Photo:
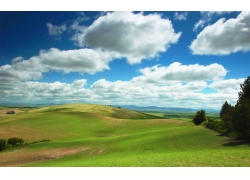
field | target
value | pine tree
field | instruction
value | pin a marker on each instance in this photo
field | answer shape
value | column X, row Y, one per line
column 245, row 90
column 226, row 115
column 241, row 114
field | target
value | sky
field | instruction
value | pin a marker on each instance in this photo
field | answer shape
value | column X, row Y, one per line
column 188, row 59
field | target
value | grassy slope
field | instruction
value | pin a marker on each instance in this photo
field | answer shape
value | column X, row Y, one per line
column 109, row 139
column 181, row 115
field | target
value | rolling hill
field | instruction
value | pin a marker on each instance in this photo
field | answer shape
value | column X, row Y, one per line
column 91, row 135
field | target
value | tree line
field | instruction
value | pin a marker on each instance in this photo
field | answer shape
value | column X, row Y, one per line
column 235, row 120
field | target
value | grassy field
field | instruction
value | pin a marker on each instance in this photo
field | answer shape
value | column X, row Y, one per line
column 95, row 136
column 180, row 115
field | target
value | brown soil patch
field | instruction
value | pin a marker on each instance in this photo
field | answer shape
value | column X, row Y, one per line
column 24, row 156
column 3, row 112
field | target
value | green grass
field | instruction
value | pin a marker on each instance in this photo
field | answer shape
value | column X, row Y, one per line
column 188, row 116
column 111, row 140
column 3, row 108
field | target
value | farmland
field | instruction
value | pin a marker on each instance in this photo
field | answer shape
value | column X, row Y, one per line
column 88, row 135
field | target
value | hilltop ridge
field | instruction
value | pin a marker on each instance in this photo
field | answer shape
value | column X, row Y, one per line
column 104, row 110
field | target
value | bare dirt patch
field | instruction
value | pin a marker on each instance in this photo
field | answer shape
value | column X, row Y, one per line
column 25, row 156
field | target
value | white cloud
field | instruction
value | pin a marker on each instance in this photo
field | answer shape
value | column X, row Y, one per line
column 176, row 72
column 199, row 24
column 79, row 60
column 79, row 82
column 181, row 16
column 172, row 95
column 224, row 37
column 17, row 59
column 8, row 72
column 76, row 24
column 228, row 85
column 56, row 30
column 207, row 16
column 176, row 85
column 174, row 91
column 38, row 92
column 133, row 36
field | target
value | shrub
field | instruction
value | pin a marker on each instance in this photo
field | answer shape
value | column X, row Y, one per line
column 214, row 125
column 15, row 141
column 10, row 112
column 2, row 144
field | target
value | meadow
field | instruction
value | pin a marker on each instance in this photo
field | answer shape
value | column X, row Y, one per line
column 180, row 115
column 88, row 135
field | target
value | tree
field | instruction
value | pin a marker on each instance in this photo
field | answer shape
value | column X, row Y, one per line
column 199, row 117
column 2, row 144
column 226, row 115
column 241, row 114
column 241, row 119
column 245, row 90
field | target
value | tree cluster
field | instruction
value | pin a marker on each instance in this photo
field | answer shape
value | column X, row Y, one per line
column 11, row 141
column 237, row 118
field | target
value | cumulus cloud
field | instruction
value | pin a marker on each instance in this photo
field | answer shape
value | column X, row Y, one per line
column 228, row 85
column 8, row 72
column 168, row 95
column 79, row 82
column 44, row 92
column 167, row 89
column 82, row 60
column 177, row 84
column 134, row 36
column 126, row 86
column 224, row 37
column 10, row 79
column 56, row 30
column 176, row 72
column 181, row 16
column 79, row 60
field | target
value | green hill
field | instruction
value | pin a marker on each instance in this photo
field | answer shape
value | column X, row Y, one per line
column 110, row 111
column 98, row 135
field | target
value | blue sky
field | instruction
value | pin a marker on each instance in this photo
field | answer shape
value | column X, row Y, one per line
column 186, row 59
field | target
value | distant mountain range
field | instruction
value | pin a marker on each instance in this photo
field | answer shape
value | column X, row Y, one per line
column 131, row 107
